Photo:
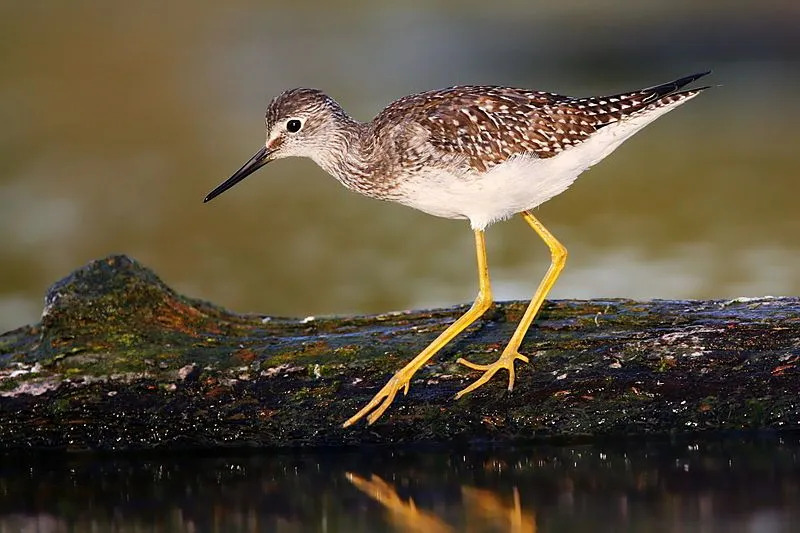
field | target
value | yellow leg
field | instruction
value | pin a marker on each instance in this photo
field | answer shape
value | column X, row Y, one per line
column 558, row 256
column 402, row 378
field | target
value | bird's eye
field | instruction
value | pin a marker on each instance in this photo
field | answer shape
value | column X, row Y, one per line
column 293, row 125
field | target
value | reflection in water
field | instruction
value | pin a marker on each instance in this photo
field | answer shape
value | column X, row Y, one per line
column 711, row 486
column 403, row 514
column 487, row 508
column 482, row 509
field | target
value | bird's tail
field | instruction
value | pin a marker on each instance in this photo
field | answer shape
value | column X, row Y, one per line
column 623, row 105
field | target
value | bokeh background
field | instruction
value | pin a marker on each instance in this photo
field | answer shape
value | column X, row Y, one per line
column 118, row 117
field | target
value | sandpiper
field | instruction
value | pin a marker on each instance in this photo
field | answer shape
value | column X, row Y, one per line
column 480, row 153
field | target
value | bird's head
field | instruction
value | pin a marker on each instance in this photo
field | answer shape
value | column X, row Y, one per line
column 300, row 123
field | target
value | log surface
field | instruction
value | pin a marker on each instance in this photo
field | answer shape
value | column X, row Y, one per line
column 121, row 361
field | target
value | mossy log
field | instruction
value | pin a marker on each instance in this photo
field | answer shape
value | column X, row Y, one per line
column 120, row 361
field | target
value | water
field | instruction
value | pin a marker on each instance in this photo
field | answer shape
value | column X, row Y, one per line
column 118, row 120
column 726, row 486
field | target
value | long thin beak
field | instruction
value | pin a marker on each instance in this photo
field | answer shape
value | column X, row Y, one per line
column 260, row 159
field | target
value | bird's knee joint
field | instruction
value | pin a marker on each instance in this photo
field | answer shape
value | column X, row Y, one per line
column 483, row 301
column 559, row 254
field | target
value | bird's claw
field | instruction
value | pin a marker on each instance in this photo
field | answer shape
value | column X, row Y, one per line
column 506, row 361
column 382, row 400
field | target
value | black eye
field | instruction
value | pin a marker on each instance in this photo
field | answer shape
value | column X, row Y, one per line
column 293, row 126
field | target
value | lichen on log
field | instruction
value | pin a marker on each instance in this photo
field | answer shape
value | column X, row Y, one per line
column 121, row 361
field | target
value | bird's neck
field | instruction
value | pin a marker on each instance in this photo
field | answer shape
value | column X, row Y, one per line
column 351, row 155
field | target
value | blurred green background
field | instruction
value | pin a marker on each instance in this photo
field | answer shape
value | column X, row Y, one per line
column 117, row 119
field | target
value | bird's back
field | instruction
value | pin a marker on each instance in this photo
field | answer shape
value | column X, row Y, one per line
column 488, row 124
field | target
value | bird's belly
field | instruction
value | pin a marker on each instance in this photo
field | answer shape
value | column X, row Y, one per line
column 519, row 184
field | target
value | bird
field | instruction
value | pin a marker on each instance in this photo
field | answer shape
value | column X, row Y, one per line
column 473, row 152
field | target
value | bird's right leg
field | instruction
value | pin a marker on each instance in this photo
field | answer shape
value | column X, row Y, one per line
column 402, row 379
column 558, row 256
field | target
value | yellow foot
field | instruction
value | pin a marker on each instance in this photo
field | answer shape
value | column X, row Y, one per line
column 384, row 398
column 506, row 361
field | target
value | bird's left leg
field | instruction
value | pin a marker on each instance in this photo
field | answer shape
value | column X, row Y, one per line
column 402, row 378
column 558, row 256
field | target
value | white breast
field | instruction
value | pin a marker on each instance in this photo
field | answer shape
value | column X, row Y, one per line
column 522, row 182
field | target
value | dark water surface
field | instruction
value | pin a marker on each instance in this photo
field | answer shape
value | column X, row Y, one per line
column 700, row 486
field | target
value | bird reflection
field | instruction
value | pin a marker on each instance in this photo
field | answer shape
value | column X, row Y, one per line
column 486, row 505
column 480, row 506
column 404, row 514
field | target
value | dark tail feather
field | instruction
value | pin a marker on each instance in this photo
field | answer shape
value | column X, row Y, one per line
column 610, row 109
column 650, row 94
column 668, row 88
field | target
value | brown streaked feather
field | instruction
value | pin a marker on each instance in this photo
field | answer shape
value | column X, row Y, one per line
column 487, row 124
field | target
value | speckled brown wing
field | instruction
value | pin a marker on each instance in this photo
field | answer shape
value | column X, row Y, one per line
column 487, row 125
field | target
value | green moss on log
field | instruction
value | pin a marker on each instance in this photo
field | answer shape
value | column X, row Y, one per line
column 121, row 361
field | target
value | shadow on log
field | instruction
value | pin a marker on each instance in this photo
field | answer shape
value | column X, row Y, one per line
column 120, row 361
